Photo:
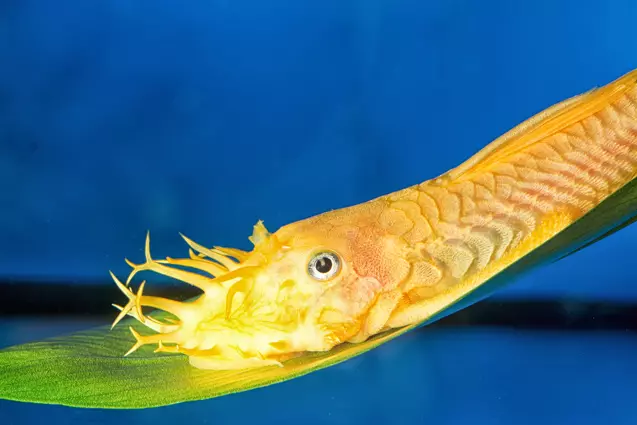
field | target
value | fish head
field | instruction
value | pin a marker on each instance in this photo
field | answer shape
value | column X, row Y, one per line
column 307, row 287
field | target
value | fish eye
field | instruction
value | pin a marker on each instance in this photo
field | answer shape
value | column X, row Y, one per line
column 324, row 265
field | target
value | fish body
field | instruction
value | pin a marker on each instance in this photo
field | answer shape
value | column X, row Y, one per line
column 395, row 261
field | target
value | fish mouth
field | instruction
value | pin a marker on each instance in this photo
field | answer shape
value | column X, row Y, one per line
column 242, row 319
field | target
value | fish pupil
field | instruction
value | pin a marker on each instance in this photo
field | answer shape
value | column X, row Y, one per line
column 324, row 265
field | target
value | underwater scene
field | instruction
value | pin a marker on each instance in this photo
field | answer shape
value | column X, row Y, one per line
column 318, row 212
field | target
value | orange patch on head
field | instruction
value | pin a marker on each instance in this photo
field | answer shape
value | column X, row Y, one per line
column 377, row 255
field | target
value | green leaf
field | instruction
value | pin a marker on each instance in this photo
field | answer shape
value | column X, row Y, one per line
column 86, row 369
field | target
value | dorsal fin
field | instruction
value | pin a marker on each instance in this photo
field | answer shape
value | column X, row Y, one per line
column 543, row 125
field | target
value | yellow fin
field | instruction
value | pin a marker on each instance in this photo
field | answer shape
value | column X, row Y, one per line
column 543, row 125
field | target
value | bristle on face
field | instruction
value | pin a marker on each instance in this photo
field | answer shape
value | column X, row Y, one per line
column 199, row 324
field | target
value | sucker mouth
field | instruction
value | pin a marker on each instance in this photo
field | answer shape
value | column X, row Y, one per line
column 232, row 324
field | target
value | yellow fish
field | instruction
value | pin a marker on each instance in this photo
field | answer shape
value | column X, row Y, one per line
column 394, row 261
column 327, row 288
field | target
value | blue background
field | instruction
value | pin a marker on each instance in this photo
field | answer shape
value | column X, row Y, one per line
column 203, row 116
